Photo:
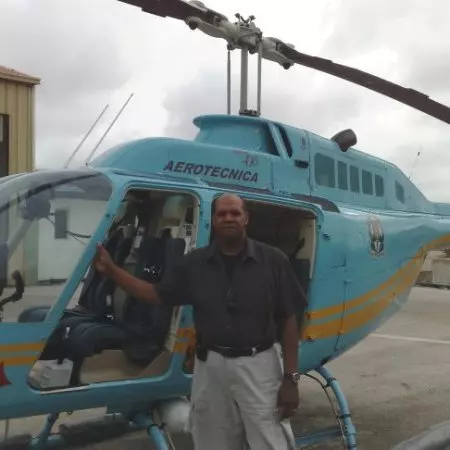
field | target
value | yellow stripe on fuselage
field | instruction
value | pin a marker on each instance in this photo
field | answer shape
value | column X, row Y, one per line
column 406, row 270
column 12, row 354
column 23, row 347
column 350, row 321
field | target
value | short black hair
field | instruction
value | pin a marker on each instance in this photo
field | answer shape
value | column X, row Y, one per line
column 213, row 205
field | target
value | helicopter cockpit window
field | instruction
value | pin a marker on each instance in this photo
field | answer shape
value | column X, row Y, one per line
column 49, row 216
column 325, row 171
column 354, row 179
column 399, row 192
column 367, row 183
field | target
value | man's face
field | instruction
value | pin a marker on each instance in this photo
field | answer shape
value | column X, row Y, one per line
column 230, row 218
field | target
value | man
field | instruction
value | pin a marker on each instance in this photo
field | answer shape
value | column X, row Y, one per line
column 244, row 295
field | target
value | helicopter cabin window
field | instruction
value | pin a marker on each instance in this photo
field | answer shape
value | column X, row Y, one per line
column 379, row 186
column 354, row 179
column 325, row 171
column 342, row 175
column 367, row 183
column 399, row 192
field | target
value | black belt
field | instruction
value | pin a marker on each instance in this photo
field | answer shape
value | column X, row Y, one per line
column 236, row 352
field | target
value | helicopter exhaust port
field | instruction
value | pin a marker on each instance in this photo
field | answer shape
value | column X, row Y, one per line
column 345, row 139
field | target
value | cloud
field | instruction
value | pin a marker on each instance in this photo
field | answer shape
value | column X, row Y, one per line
column 87, row 54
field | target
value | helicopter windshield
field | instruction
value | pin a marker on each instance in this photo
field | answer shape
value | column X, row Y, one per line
column 46, row 219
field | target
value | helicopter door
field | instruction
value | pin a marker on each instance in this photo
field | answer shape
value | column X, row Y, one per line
column 326, row 303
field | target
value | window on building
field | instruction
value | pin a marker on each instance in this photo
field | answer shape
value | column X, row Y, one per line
column 367, row 182
column 61, row 224
column 354, row 179
column 325, row 171
column 342, row 175
column 379, row 186
column 399, row 192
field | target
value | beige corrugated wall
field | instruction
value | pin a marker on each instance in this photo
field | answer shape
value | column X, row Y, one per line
column 17, row 101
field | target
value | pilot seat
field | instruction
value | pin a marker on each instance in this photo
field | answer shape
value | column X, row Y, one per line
column 106, row 318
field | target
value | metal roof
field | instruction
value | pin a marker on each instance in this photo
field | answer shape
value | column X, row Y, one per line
column 13, row 75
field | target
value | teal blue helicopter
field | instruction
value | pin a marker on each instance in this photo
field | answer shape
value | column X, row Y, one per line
column 356, row 230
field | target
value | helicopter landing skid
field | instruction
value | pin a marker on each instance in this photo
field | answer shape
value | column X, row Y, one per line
column 345, row 427
column 116, row 424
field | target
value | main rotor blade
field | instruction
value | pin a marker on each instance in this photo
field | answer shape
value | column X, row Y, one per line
column 176, row 9
column 411, row 97
column 181, row 10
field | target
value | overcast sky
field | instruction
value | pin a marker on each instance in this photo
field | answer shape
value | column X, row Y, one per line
column 92, row 53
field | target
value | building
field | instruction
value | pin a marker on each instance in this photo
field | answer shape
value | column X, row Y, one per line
column 17, row 115
column 17, row 136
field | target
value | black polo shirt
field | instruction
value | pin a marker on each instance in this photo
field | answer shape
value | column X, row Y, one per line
column 241, row 311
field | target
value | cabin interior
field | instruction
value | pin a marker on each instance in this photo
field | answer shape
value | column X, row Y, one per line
column 146, row 219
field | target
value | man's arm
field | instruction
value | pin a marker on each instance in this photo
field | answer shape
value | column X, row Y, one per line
column 290, row 345
column 133, row 286
column 173, row 288
column 291, row 304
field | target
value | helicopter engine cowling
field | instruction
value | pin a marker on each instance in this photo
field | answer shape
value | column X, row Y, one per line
column 174, row 414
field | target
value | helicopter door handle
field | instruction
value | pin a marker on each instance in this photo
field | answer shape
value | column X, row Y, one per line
column 301, row 164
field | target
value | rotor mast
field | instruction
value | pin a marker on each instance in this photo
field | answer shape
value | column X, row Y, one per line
column 248, row 38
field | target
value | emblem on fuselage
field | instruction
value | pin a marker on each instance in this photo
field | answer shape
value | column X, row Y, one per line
column 376, row 235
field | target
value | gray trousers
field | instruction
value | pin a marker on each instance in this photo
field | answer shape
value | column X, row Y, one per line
column 234, row 402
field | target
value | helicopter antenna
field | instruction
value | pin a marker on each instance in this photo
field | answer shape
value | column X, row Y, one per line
column 69, row 160
column 414, row 162
column 246, row 36
column 228, row 81
column 88, row 159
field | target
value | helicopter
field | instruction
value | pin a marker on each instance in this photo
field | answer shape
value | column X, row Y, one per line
column 339, row 214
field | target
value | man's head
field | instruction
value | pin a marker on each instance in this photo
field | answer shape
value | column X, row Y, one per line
column 230, row 218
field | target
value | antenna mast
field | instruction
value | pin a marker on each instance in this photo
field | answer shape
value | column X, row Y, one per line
column 88, row 159
column 69, row 160
column 414, row 162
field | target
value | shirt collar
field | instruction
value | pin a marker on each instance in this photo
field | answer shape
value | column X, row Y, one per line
column 248, row 252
